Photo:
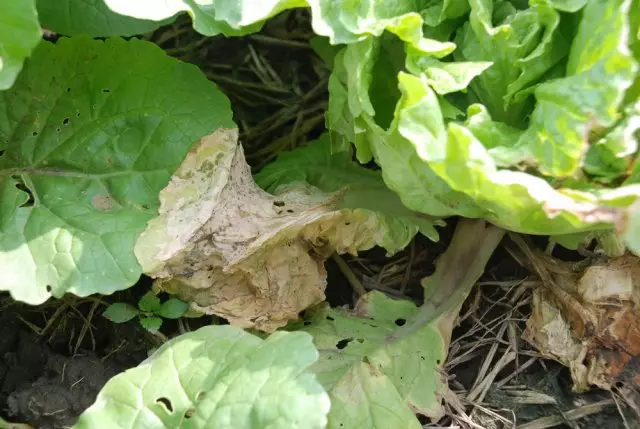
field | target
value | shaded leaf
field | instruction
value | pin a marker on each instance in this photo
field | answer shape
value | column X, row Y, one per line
column 523, row 46
column 92, row 17
column 120, row 312
column 149, row 302
column 151, row 323
column 173, row 308
column 599, row 71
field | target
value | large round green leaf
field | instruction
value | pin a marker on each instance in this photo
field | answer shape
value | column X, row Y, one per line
column 92, row 17
column 91, row 132
column 19, row 34
column 216, row 377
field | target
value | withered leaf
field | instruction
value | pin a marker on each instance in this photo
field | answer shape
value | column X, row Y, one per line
column 236, row 251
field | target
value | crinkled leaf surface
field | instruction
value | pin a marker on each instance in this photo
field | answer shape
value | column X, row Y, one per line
column 92, row 131
column 610, row 157
column 19, row 35
column 522, row 47
column 374, row 384
column 600, row 68
column 92, row 17
column 514, row 200
column 254, row 258
column 216, row 377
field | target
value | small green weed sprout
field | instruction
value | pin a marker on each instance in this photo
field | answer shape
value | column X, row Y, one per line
column 150, row 311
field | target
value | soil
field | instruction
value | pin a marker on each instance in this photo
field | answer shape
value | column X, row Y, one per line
column 46, row 386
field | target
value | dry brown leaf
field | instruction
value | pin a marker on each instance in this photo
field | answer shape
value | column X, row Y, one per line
column 591, row 322
column 238, row 252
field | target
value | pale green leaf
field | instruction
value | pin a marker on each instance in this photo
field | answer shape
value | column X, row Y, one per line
column 216, row 377
column 372, row 383
column 92, row 17
column 514, row 200
column 502, row 141
column 19, row 35
column 173, row 308
column 120, row 312
column 151, row 323
column 93, row 131
column 149, row 302
column 444, row 77
column 362, row 91
column 599, row 71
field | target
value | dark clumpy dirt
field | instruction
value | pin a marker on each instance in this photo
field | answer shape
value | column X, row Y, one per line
column 44, row 385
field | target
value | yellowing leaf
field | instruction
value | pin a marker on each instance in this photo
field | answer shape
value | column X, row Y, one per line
column 374, row 383
column 236, row 251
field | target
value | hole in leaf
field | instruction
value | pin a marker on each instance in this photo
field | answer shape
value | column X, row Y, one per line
column 78, row 114
column 347, row 223
column 190, row 412
column 306, row 323
column 58, row 130
column 360, row 340
column 35, row 133
column 30, row 200
column 65, row 121
column 289, row 211
column 166, row 402
column 48, row 288
column 400, row 322
column 330, row 318
column 343, row 343
column 278, row 203
column 106, row 90
column 68, row 89
column 199, row 396
column 438, row 362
